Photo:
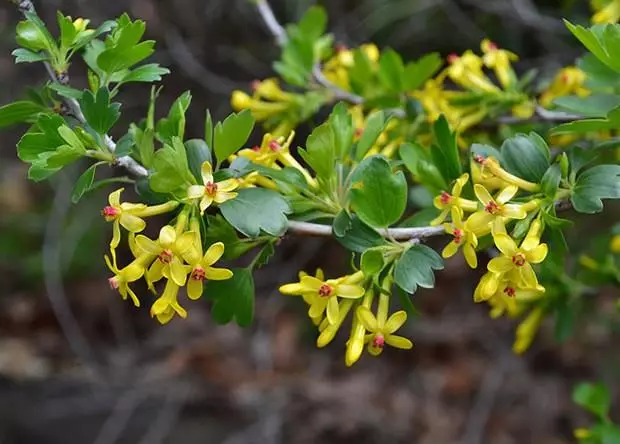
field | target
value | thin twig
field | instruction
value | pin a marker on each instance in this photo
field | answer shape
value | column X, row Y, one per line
column 310, row 229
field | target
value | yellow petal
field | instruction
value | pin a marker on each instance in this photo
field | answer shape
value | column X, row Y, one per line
column 221, row 196
column 528, row 276
column 116, row 235
column 395, row 321
column 147, row 245
column 349, row 291
column 450, row 250
column 367, row 319
column 194, row 289
column 114, row 199
column 505, row 244
column 186, row 242
column 207, row 172
column 506, row 194
column 132, row 223
column 178, row 272
column 218, row 274
column 167, row 236
column 399, row 342
column 213, row 254
column 292, row 289
column 205, row 203
column 311, row 284
column 460, row 183
column 133, row 296
column 227, row 185
column 442, row 216
column 332, row 310
column 159, row 306
column 482, row 194
column 166, row 316
column 470, row 256
column 317, row 307
column 319, row 274
column 195, row 191
column 479, row 222
column 132, row 272
column 514, row 211
column 537, row 255
column 155, row 272
column 500, row 265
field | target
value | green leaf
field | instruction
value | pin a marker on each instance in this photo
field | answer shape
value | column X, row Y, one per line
column 418, row 161
column 198, row 152
column 446, row 153
column 232, row 134
column 415, row 268
column 33, row 34
column 23, row 55
column 595, row 105
column 42, row 138
column 123, row 48
column 218, row 230
column 596, row 40
column 593, row 185
column 288, row 175
column 233, row 299
column 174, row 124
column 313, row 23
column 422, row 218
column 341, row 123
column 84, row 183
column 589, row 125
column 255, row 210
column 418, row 72
column 406, row 303
column 391, row 70
column 144, row 143
column 66, row 91
column 378, row 195
column 209, row 129
column 372, row 261
column 320, row 151
column 171, row 168
column 375, row 124
column 551, row 180
column 526, row 156
column 593, row 397
column 100, row 114
column 19, row 112
column 355, row 235
column 148, row 73
column 264, row 256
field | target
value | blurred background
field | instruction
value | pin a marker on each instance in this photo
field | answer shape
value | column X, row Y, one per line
column 79, row 365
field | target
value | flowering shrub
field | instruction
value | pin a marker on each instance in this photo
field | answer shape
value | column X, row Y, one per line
column 458, row 148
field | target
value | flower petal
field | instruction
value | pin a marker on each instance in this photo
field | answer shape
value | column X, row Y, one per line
column 506, row 194
column 500, row 265
column 442, row 216
column 295, row 289
column 186, row 242
column 213, row 254
column 207, row 172
column 132, row 223
column 505, row 244
column 195, row 191
column 114, row 199
column 221, row 196
column 332, row 310
column 218, row 274
column 116, row 235
column 395, row 321
column 399, row 342
column 178, row 272
column 147, row 245
column 479, row 223
column 528, row 276
column 227, row 185
column 349, row 291
column 311, row 284
column 205, row 203
column 483, row 194
column 194, row 289
column 537, row 255
column 155, row 273
column 450, row 250
column 132, row 272
column 513, row 211
column 459, row 184
column 167, row 236
column 367, row 319
column 317, row 307
column 470, row 256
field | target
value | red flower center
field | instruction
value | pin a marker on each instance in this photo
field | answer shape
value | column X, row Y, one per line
column 358, row 132
column 166, row 256
column 564, row 78
column 452, row 58
column 493, row 46
column 198, row 274
column 211, row 188
column 378, row 341
column 109, row 212
column 255, row 85
column 274, row 146
column 325, row 290
column 519, row 260
column 445, row 198
column 458, row 236
column 492, row 208
column 113, row 281
column 510, row 292
column 479, row 159
column 256, row 148
column 341, row 47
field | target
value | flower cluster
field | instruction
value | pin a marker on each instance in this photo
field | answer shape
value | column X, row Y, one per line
column 511, row 280
column 176, row 256
column 330, row 301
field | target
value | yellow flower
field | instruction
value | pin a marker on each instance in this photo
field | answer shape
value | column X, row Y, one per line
column 123, row 277
column 81, row 25
column 169, row 250
column 202, row 267
column 462, row 237
column 382, row 331
column 323, row 295
column 446, row 201
column 508, row 295
column 500, row 61
column 466, row 71
column 270, row 89
column 125, row 214
column 610, row 13
column 211, row 191
column 615, row 244
column 480, row 222
column 569, row 80
column 516, row 261
column 166, row 306
column 527, row 330
column 260, row 109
